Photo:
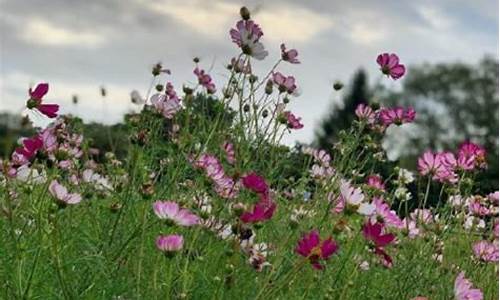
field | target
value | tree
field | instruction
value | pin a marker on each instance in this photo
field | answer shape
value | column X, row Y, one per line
column 341, row 116
column 454, row 102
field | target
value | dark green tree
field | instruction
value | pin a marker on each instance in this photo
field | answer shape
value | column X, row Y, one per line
column 341, row 115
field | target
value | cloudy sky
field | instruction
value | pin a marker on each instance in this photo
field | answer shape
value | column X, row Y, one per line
column 78, row 46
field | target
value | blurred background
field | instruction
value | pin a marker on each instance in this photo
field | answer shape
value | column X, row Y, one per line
column 95, row 52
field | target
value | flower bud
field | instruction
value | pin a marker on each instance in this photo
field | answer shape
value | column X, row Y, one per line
column 196, row 60
column 265, row 113
column 244, row 13
column 338, row 85
column 269, row 87
column 159, row 87
column 253, row 78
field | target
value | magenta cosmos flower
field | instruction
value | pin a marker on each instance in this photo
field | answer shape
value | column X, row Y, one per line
column 169, row 243
column 170, row 211
column 470, row 150
column 390, row 66
column 246, row 35
column 262, row 211
column 255, row 183
column 396, row 115
column 35, row 101
column 62, row 195
column 464, row 290
column 311, row 247
column 30, row 147
column 292, row 121
column 290, row 55
column 205, row 80
column 373, row 233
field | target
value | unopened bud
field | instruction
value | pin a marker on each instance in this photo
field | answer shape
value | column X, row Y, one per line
column 244, row 13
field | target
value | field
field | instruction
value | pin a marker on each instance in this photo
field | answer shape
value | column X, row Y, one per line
column 207, row 203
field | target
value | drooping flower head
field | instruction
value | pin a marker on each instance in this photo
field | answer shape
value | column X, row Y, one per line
column 464, row 289
column 169, row 244
column 315, row 250
column 170, row 211
column 385, row 215
column 246, row 35
column 35, row 101
column 62, row 195
column 290, row 55
column 390, row 66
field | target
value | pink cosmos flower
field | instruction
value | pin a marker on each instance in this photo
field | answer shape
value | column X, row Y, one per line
column 62, row 195
column 452, row 163
column 170, row 243
column 229, row 149
column 284, row 83
column 432, row 164
column 246, row 36
column 224, row 185
column 373, row 233
column 464, row 290
column 495, row 229
column 385, row 215
column 311, row 247
column 262, row 211
column 486, row 251
column 352, row 198
column 167, row 104
column 423, row 216
column 255, row 183
column 469, row 150
column 376, row 182
column 410, row 226
column 205, row 80
column 35, row 101
column 390, row 66
column 365, row 113
column 493, row 197
column 169, row 210
column 290, row 55
column 293, row 122
column 396, row 115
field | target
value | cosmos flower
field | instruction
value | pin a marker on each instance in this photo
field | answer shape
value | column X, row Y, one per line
column 468, row 150
column 169, row 210
column 376, row 182
column 35, row 101
column 314, row 249
column 290, row 55
column 396, row 115
column 390, row 66
column 293, row 122
column 30, row 147
column 255, row 183
column 352, row 198
column 165, row 104
column 62, row 195
column 464, row 289
column 205, row 80
column 284, row 83
column 486, row 251
column 262, row 211
column 169, row 243
column 246, row 35
column 373, row 233
column 432, row 164
column 384, row 214
column 365, row 113
column 229, row 149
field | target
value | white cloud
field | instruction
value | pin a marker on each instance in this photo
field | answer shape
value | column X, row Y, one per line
column 214, row 19
column 45, row 33
column 435, row 17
